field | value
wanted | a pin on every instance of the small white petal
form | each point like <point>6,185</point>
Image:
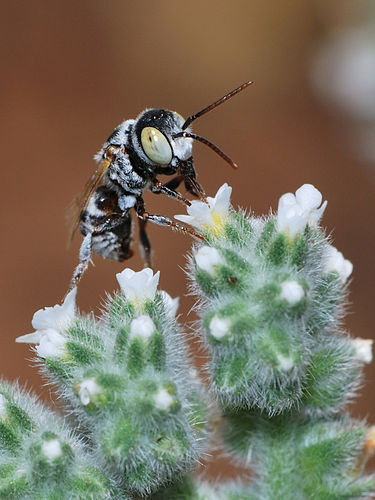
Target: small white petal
<point>3,402</point>
<point>221,202</point>
<point>317,214</point>
<point>187,219</point>
<point>219,327</point>
<point>171,305</point>
<point>207,259</point>
<point>200,211</point>
<point>31,338</point>
<point>292,292</point>
<point>335,262</point>
<point>163,400</point>
<point>52,449</point>
<point>287,200</point>
<point>363,349</point>
<point>142,327</point>
<point>289,216</point>
<point>293,224</point>
<point>87,389</point>
<point>138,287</point>
<point>57,317</point>
<point>308,197</point>
<point>52,344</point>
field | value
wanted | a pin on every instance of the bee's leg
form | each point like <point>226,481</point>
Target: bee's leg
<point>145,243</point>
<point>191,186</point>
<point>161,220</point>
<point>160,188</point>
<point>84,259</point>
<point>187,171</point>
<point>85,250</point>
<point>174,183</point>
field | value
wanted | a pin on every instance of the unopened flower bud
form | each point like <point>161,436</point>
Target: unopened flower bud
<point>292,292</point>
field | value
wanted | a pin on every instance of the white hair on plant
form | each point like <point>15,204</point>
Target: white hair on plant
<point>297,211</point>
<point>51,324</point>
<point>138,287</point>
<point>3,409</point>
<point>210,216</point>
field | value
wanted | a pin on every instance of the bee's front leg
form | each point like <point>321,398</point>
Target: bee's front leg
<point>189,175</point>
<point>158,187</point>
<point>161,220</point>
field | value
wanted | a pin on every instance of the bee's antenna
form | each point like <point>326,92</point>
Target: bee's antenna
<point>215,104</point>
<point>209,144</point>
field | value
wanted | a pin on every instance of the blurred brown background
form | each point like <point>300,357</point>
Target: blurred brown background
<point>71,71</point>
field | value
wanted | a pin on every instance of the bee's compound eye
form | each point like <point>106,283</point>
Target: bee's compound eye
<point>156,146</point>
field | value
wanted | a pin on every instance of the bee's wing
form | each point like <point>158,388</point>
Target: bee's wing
<point>79,203</point>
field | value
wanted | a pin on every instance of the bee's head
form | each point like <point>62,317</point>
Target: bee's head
<point>163,138</point>
<point>154,138</point>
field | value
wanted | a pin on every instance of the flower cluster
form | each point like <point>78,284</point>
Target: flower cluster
<point>271,293</point>
<point>124,377</point>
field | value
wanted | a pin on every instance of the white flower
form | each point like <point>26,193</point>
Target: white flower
<point>335,262</point>
<point>3,402</point>
<point>207,258</point>
<point>363,349</point>
<point>52,449</point>
<point>296,211</point>
<point>219,327</point>
<point>171,305</point>
<point>142,327</point>
<point>210,216</point>
<point>87,389</point>
<point>138,287</point>
<point>50,324</point>
<point>163,400</point>
<point>292,292</point>
<point>51,343</point>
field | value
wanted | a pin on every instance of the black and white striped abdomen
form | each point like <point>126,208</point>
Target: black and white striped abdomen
<point>113,242</point>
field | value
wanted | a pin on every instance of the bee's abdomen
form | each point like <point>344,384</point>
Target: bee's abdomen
<point>109,241</point>
<point>115,244</point>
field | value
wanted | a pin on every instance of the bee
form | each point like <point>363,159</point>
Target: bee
<point>157,142</point>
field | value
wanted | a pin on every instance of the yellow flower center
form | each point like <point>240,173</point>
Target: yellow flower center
<point>216,228</point>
